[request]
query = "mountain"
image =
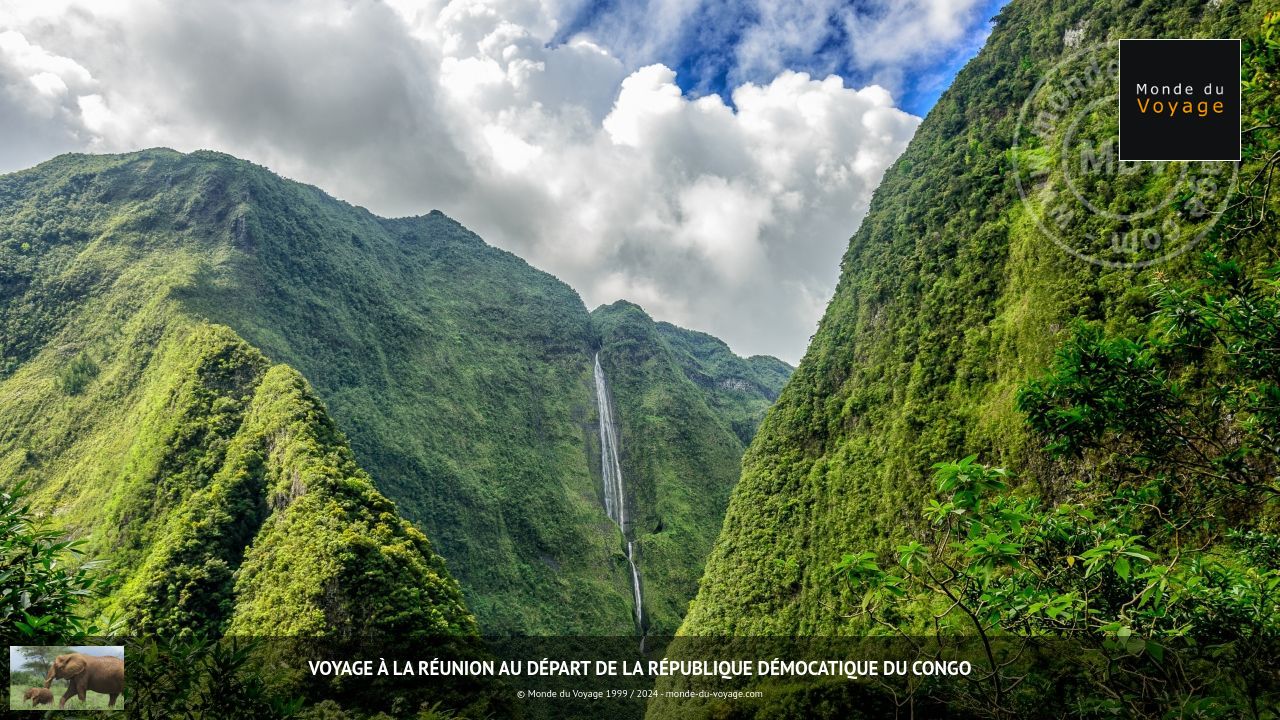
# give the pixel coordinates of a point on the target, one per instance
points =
(738, 389)
(950, 298)
(222, 379)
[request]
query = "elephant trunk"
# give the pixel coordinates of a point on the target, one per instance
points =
(48, 679)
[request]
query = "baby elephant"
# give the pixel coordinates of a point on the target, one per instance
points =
(38, 696)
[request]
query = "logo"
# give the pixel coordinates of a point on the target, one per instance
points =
(1180, 100)
(1079, 192)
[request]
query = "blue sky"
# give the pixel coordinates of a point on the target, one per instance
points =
(18, 661)
(704, 50)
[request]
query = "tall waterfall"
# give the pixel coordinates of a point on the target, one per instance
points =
(615, 497)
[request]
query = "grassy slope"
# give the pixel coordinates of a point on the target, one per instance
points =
(460, 374)
(948, 299)
(92, 700)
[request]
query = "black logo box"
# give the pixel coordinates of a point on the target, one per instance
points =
(1185, 65)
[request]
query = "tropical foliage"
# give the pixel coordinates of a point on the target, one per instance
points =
(1130, 568)
(149, 302)
(43, 579)
(951, 298)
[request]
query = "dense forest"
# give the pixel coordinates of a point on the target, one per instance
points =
(950, 300)
(991, 437)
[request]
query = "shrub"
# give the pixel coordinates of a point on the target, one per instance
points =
(42, 579)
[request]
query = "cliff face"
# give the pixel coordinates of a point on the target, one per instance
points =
(950, 298)
(682, 402)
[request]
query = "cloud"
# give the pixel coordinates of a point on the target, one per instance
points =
(872, 35)
(729, 221)
(727, 215)
(719, 43)
(903, 36)
(40, 96)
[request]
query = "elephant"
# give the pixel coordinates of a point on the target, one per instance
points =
(100, 674)
(38, 696)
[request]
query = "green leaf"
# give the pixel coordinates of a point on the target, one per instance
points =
(1155, 650)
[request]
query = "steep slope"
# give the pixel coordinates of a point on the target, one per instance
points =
(188, 454)
(949, 298)
(738, 389)
(461, 376)
(681, 398)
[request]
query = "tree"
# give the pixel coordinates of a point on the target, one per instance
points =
(43, 580)
(1156, 562)
(196, 677)
(1148, 563)
(1151, 621)
(40, 657)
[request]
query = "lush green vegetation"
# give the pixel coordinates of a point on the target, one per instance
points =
(738, 389)
(92, 700)
(289, 534)
(1157, 551)
(282, 524)
(683, 402)
(44, 579)
(1129, 567)
(193, 677)
(950, 298)
(285, 535)
(141, 296)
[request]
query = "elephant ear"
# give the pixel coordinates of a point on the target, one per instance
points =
(75, 665)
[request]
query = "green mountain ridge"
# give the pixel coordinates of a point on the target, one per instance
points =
(739, 389)
(230, 464)
(141, 296)
(949, 299)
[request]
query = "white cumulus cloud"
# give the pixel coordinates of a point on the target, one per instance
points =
(728, 218)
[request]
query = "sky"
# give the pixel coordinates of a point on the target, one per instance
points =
(18, 661)
(707, 159)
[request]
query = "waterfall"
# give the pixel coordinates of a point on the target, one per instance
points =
(615, 497)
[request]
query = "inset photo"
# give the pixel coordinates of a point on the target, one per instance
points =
(66, 677)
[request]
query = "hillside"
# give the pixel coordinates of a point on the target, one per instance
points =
(460, 375)
(219, 481)
(950, 298)
(739, 390)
